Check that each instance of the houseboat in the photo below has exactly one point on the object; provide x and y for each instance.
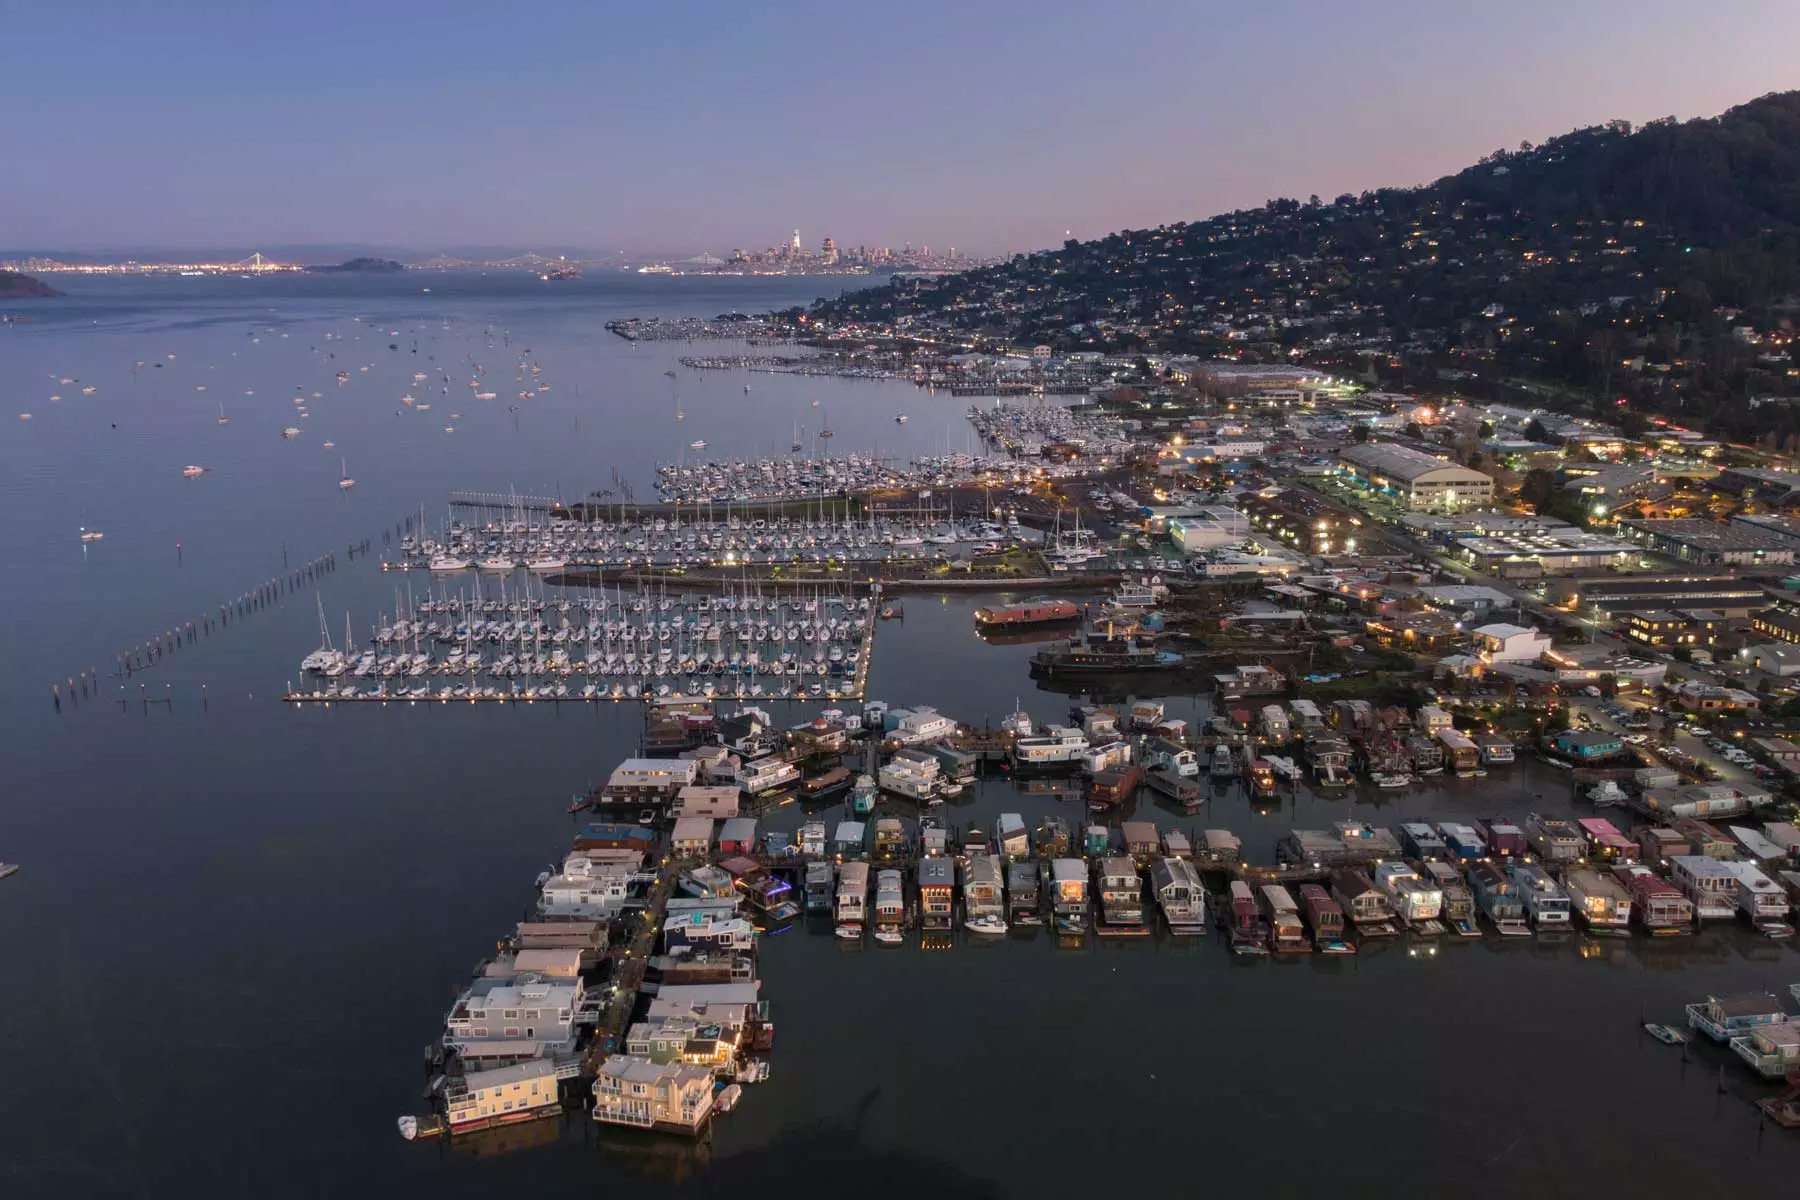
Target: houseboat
(890, 839)
(1426, 753)
(1326, 917)
(912, 774)
(824, 787)
(1069, 894)
(1460, 753)
(1282, 915)
(862, 795)
(1421, 841)
(1024, 900)
(1365, 904)
(482, 1099)
(763, 776)
(850, 839)
(821, 883)
(1223, 765)
(1605, 844)
(1146, 714)
(1181, 895)
(1554, 839)
(1459, 902)
(890, 906)
(1057, 747)
(1498, 898)
(1179, 759)
(1722, 1018)
(1053, 838)
(1772, 1051)
(1464, 842)
(937, 890)
(1496, 749)
(1329, 756)
(1503, 838)
(1603, 903)
(1116, 785)
(1259, 775)
(1709, 883)
(984, 887)
(852, 898)
(1244, 922)
(1416, 901)
(1121, 897)
(1011, 838)
(1658, 906)
(1546, 904)
(1185, 791)
(1761, 901)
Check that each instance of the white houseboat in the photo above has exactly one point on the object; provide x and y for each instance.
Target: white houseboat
(852, 898)
(1709, 883)
(1181, 894)
(1056, 746)
(1603, 902)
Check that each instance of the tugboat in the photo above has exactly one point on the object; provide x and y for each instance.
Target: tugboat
(862, 796)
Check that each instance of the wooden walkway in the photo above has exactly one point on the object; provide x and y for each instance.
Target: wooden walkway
(630, 963)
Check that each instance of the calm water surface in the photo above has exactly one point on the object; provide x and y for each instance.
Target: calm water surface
(239, 923)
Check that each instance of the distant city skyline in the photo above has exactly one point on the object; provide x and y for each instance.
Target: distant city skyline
(672, 131)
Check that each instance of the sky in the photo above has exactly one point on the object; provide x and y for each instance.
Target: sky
(674, 127)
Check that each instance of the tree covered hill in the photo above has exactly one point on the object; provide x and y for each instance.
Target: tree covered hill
(1657, 264)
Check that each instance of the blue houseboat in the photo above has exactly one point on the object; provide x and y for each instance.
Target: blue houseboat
(1722, 1018)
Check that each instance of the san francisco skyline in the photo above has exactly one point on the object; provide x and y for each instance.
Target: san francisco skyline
(709, 127)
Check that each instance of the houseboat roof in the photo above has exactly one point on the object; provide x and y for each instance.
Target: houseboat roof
(1699, 866)
(693, 829)
(982, 868)
(854, 873)
(738, 829)
(1067, 870)
(936, 872)
(1139, 832)
(1165, 872)
(850, 831)
(1022, 874)
(1118, 866)
(1744, 1004)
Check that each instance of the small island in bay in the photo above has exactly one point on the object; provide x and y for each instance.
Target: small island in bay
(15, 285)
(364, 266)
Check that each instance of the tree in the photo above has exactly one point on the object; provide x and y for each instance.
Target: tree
(1475, 460)
(1535, 431)
(1360, 432)
(1486, 431)
(1538, 488)
(1414, 430)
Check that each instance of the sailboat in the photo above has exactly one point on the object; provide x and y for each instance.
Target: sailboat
(223, 419)
(90, 535)
(825, 424)
(344, 480)
(798, 444)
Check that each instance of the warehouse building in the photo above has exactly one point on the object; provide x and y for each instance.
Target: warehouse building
(1416, 478)
(1712, 543)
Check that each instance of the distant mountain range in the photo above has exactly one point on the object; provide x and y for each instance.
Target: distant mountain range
(1657, 266)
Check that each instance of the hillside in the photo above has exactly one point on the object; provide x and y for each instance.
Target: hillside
(365, 266)
(1658, 265)
(17, 286)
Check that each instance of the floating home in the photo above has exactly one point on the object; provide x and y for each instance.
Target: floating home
(850, 839)
(1420, 840)
(1417, 902)
(1244, 920)
(937, 893)
(1121, 891)
(1364, 903)
(1772, 1051)
(821, 883)
(1459, 903)
(1709, 883)
(1496, 749)
(1498, 898)
(1603, 903)
(1659, 906)
(1504, 839)
(1219, 846)
(1175, 844)
(983, 887)
(1023, 896)
(1281, 913)
(1069, 894)
(1179, 759)
(1554, 839)
(890, 900)
(1326, 916)
(1011, 838)
(1463, 841)
(1181, 895)
(1605, 844)
(1761, 900)
(645, 1095)
(503, 1095)
(1460, 753)
(1546, 904)
(1722, 1018)
(853, 895)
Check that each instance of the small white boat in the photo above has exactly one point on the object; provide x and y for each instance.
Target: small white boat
(409, 1127)
(191, 472)
(849, 933)
(697, 444)
(728, 1098)
(889, 937)
(290, 432)
(344, 480)
(91, 535)
(986, 923)
(1390, 782)
(7, 869)
(900, 419)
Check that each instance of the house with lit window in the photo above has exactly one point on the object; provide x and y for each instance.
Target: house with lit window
(685, 1040)
(496, 1022)
(1510, 643)
(502, 1094)
(586, 888)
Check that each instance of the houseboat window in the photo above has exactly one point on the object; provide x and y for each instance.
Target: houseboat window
(478, 1031)
(512, 1031)
(530, 1032)
(512, 1014)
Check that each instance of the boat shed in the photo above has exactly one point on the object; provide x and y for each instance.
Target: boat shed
(692, 836)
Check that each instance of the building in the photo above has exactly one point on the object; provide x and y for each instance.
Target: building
(712, 801)
(1779, 623)
(496, 1022)
(693, 835)
(1711, 543)
(1208, 529)
(1510, 643)
(1414, 477)
(586, 888)
(1608, 594)
(501, 1093)
(1776, 658)
(1664, 628)
(1465, 597)
(1551, 552)
(646, 1095)
(913, 726)
(1586, 746)
(685, 1040)
(650, 778)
